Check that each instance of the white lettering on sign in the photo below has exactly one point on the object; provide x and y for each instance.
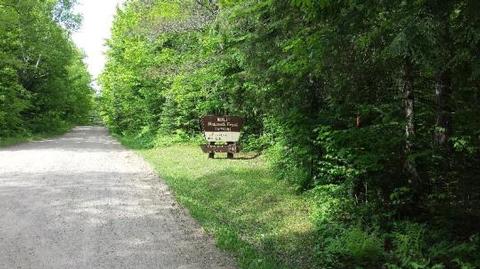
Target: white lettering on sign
(222, 136)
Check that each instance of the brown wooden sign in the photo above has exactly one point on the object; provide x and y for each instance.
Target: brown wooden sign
(224, 130)
(222, 124)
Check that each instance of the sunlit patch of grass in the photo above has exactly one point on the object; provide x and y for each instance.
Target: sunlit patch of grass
(261, 220)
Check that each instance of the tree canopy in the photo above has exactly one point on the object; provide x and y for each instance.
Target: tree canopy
(372, 106)
(44, 84)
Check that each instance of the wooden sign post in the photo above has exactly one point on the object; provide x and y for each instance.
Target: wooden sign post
(222, 134)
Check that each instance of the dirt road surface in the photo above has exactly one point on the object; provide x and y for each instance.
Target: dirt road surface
(83, 201)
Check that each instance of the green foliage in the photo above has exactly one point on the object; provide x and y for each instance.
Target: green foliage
(44, 85)
(416, 247)
(372, 107)
(356, 248)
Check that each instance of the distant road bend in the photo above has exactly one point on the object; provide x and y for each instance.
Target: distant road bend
(83, 201)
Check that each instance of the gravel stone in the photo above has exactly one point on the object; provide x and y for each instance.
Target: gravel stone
(84, 201)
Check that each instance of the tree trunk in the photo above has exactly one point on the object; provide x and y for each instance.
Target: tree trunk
(443, 125)
(443, 92)
(409, 108)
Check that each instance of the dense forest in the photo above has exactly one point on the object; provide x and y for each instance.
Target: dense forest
(44, 84)
(372, 106)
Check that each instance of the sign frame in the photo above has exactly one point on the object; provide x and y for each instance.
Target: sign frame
(222, 134)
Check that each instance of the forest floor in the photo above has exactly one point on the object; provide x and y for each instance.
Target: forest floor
(263, 221)
(83, 201)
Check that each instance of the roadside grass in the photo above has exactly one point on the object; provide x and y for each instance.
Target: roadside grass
(11, 141)
(260, 220)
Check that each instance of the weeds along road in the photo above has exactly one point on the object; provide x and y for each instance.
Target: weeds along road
(83, 201)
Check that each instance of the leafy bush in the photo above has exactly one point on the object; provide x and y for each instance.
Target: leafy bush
(415, 246)
(179, 137)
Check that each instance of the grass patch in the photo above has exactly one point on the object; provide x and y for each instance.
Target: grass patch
(10, 141)
(259, 219)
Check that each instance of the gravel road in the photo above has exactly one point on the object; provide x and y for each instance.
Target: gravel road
(83, 201)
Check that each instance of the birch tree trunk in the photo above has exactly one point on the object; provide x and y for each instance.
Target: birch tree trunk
(409, 109)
